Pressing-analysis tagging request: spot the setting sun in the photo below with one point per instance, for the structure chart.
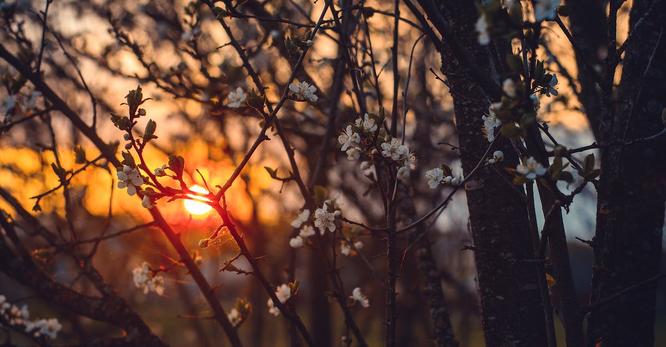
(196, 206)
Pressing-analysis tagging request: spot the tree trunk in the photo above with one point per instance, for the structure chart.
(630, 210)
(512, 312)
(432, 288)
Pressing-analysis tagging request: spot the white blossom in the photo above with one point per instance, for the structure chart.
(325, 220)
(20, 318)
(234, 317)
(129, 178)
(160, 171)
(482, 29)
(146, 202)
(303, 91)
(306, 231)
(44, 327)
(296, 242)
(349, 138)
(358, 296)
(301, 218)
(452, 180)
(399, 152)
(498, 156)
(144, 278)
(490, 123)
(509, 88)
(236, 98)
(456, 180)
(353, 153)
(545, 9)
(394, 149)
(366, 123)
(531, 169)
(358, 245)
(16, 315)
(345, 248)
(272, 309)
(283, 292)
(434, 177)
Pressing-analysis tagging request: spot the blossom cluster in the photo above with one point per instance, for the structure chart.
(236, 98)
(498, 156)
(145, 278)
(303, 91)
(531, 169)
(283, 293)
(20, 318)
(130, 178)
(348, 248)
(358, 140)
(435, 177)
(239, 313)
(324, 220)
(358, 296)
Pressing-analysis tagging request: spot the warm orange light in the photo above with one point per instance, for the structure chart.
(195, 205)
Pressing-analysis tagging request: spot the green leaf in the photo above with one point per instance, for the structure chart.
(510, 130)
(588, 163)
(128, 159)
(134, 99)
(177, 165)
(122, 123)
(589, 172)
(592, 174)
(149, 133)
(271, 172)
(60, 172)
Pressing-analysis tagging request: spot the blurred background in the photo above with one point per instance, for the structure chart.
(180, 55)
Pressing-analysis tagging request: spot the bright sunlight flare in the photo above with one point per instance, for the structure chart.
(196, 206)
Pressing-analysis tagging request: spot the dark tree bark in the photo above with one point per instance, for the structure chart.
(588, 27)
(432, 288)
(630, 210)
(512, 311)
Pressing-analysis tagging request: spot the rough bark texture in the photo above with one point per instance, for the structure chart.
(432, 288)
(512, 312)
(630, 206)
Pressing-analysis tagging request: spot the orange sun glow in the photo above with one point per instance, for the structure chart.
(195, 205)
